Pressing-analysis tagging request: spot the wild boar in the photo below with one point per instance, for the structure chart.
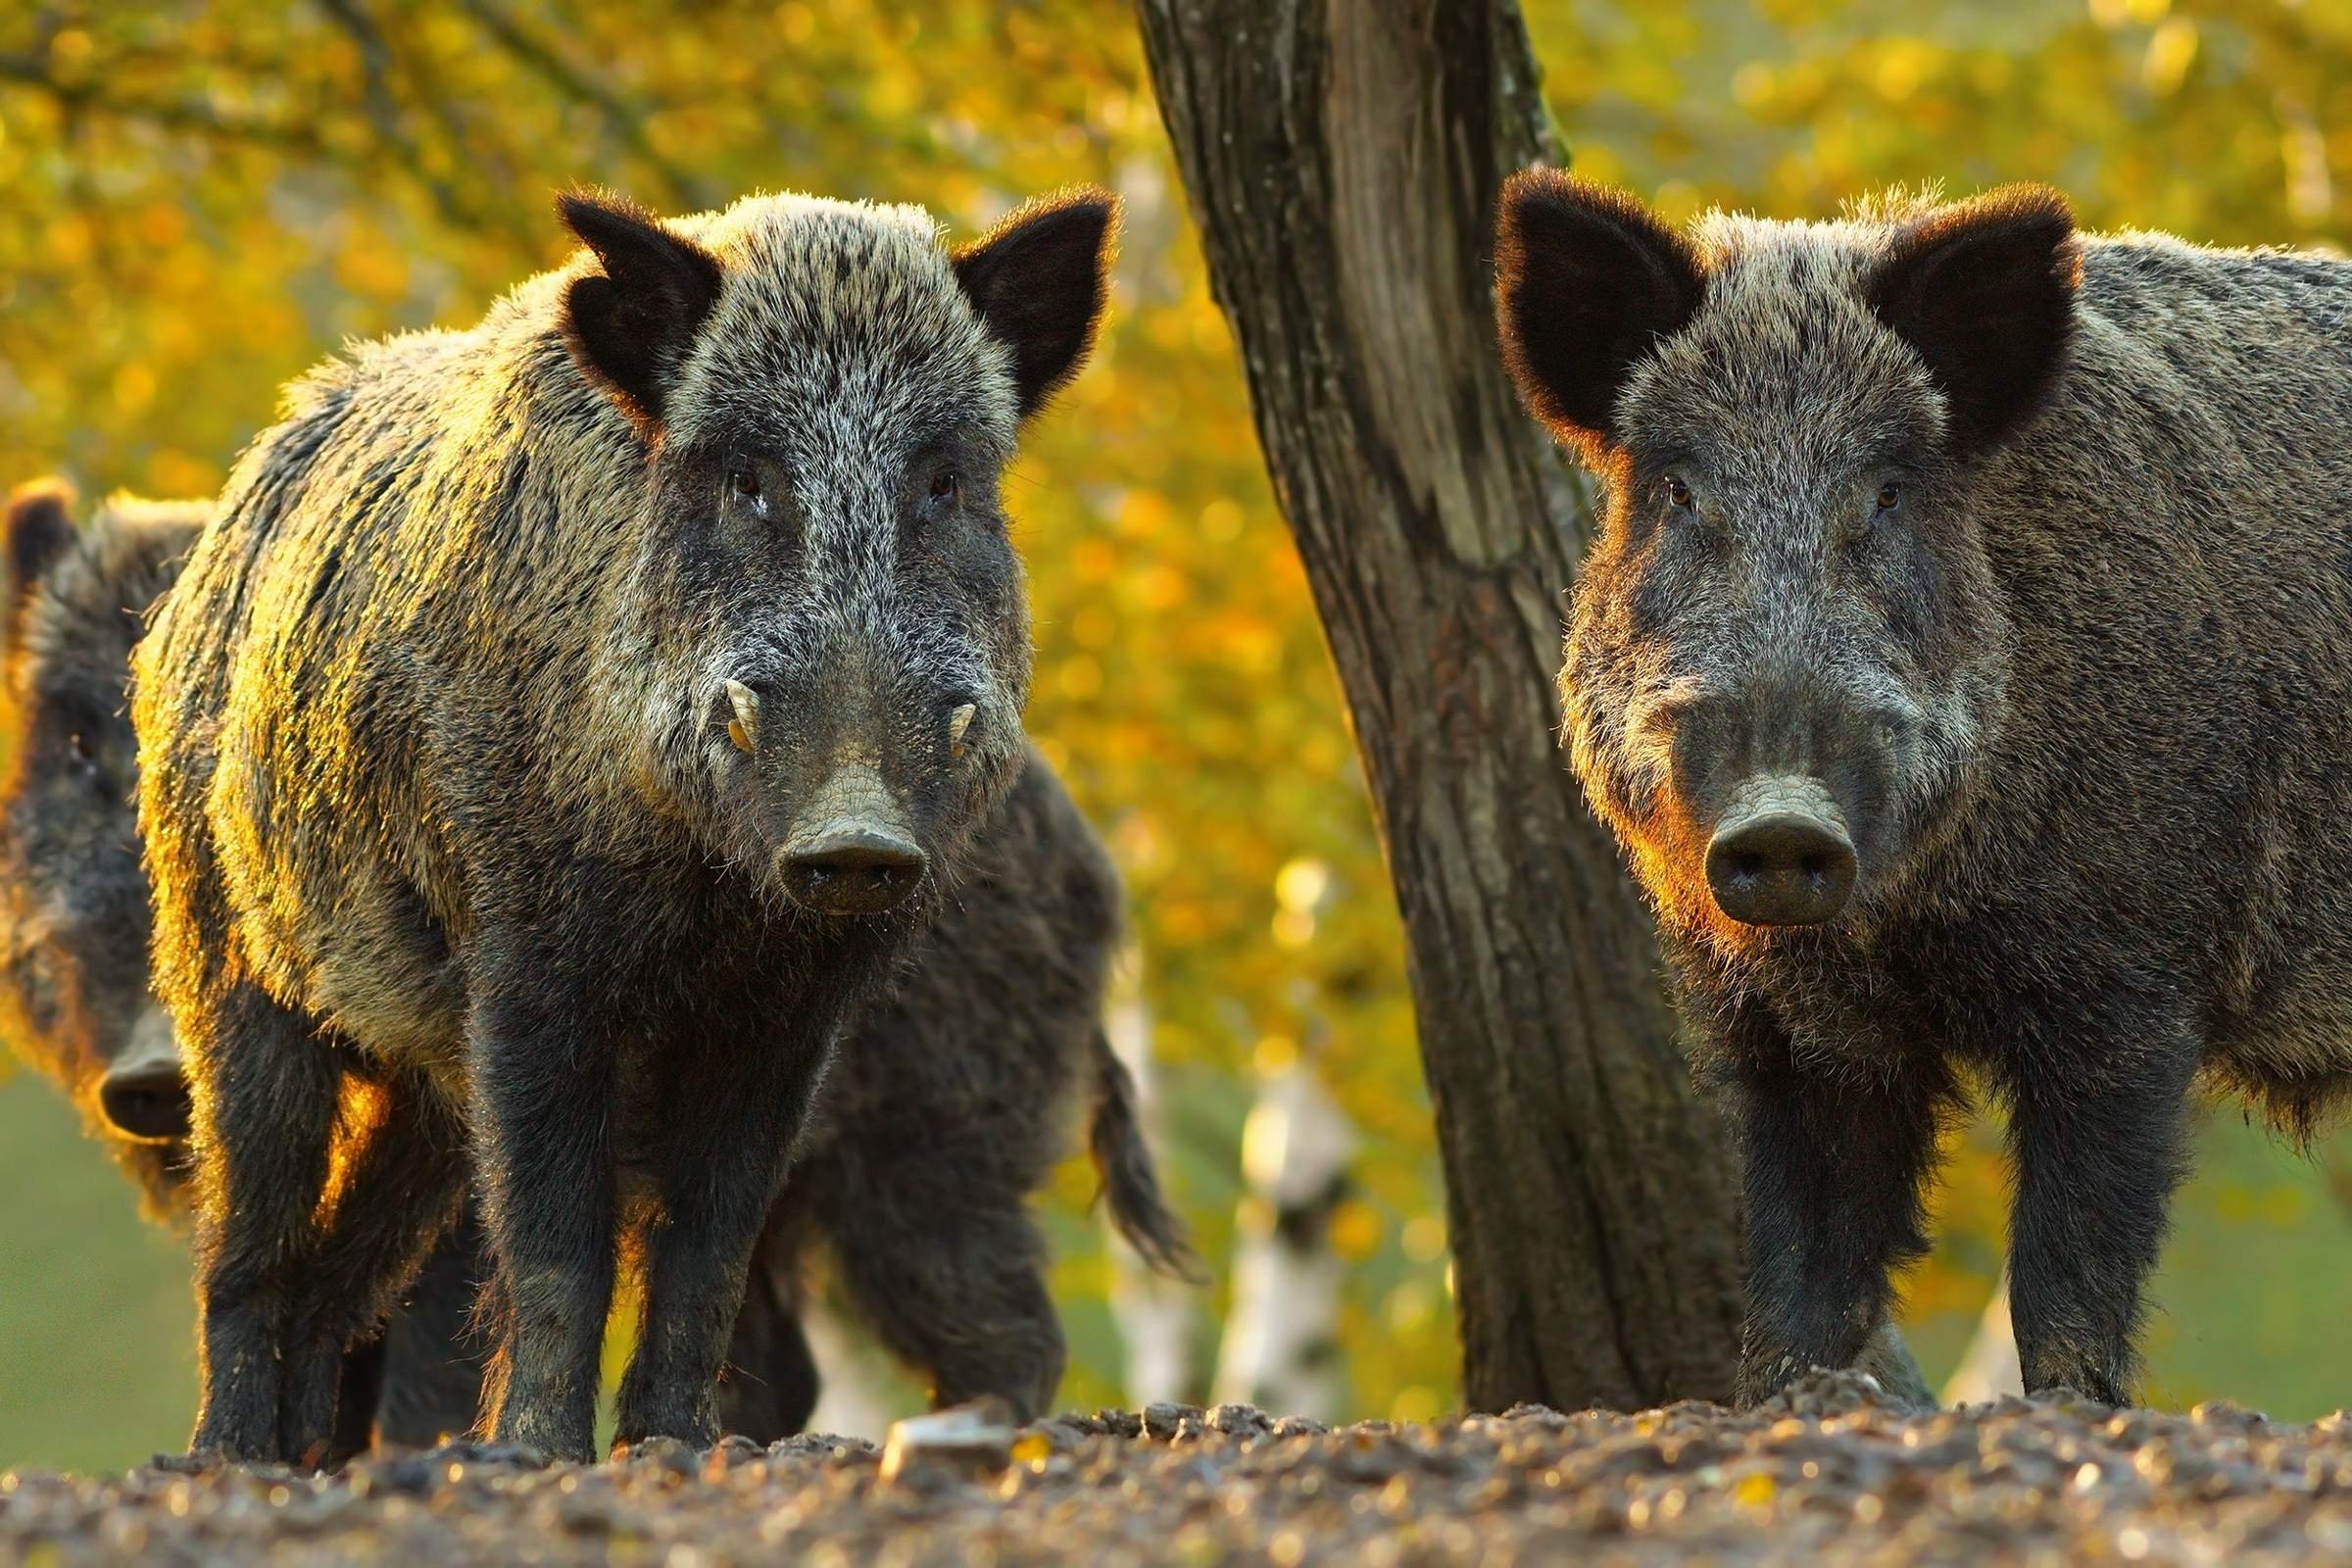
(1961, 666)
(73, 993)
(566, 724)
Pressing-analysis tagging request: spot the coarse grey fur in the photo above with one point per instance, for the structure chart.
(460, 833)
(2028, 553)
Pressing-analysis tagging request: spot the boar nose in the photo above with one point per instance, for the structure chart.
(147, 1104)
(848, 852)
(1780, 855)
(144, 1095)
(852, 868)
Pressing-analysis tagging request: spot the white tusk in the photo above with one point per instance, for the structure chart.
(745, 728)
(958, 721)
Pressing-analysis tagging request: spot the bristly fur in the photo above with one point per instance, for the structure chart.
(440, 794)
(2026, 547)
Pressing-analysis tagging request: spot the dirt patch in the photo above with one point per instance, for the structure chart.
(1830, 1473)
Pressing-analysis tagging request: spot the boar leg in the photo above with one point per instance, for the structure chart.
(265, 1121)
(732, 1105)
(359, 1389)
(400, 1178)
(771, 1380)
(433, 1357)
(543, 1085)
(944, 1265)
(1836, 1156)
(2097, 1160)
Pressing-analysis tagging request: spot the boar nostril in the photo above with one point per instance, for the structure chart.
(852, 868)
(1781, 867)
(149, 1104)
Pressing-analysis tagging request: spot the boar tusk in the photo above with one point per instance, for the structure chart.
(957, 723)
(744, 728)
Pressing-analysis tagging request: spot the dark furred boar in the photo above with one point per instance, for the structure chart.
(73, 993)
(1963, 669)
(563, 726)
(942, 1115)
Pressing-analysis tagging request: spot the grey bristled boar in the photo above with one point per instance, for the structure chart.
(1965, 668)
(565, 725)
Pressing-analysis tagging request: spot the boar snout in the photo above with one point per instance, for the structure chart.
(144, 1095)
(1780, 855)
(854, 855)
(861, 869)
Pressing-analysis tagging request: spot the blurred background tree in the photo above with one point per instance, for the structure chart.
(204, 197)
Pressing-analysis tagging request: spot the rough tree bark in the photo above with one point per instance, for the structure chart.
(1342, 158)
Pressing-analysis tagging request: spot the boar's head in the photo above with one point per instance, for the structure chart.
(1785, 650)
(829, 399)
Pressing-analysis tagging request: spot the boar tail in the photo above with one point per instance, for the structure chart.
(1124, 1165)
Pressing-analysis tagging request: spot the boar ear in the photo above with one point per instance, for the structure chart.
(40, 525)
(1585, 280)
(1038, 281)
(630, 327)
(1984, 291)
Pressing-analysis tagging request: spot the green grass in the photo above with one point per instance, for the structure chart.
(97, 1350)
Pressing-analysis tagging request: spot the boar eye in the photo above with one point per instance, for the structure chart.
(946, 487)
(85, 756)
(1883, 505)
(743, 485)
(1678, 494)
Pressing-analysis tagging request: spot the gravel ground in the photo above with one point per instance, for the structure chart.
(1828, 1473)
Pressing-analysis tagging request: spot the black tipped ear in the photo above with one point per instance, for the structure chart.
(1984, 291)
(630, 328)
(1039, 280)
(40, 525)
(1586, 280)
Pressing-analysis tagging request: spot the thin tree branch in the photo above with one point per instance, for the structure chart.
(192, 115)
(625, 119)
(377, 63)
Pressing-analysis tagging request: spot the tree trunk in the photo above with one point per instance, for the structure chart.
(1342, 158)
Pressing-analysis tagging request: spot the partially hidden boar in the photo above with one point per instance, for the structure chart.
(73, 993)
(74, 996)
(563, 726)
(1962, 665)
(942, 1114)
